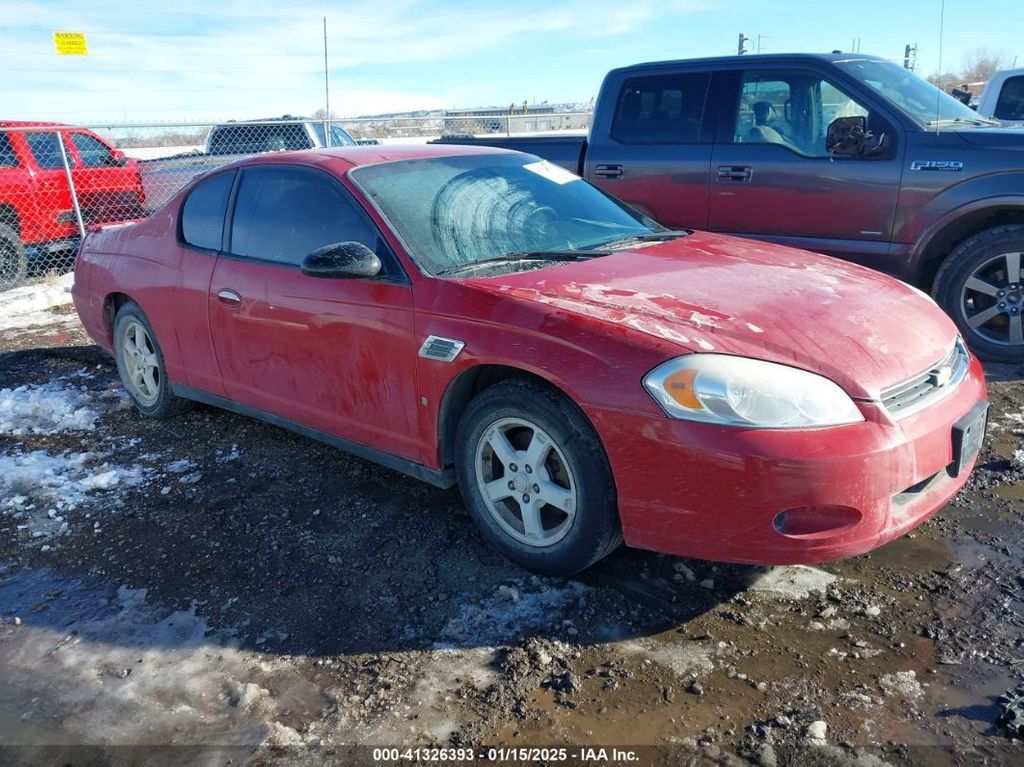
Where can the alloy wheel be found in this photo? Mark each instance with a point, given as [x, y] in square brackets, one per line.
[992, 300]
[525, 482]
[141, 363]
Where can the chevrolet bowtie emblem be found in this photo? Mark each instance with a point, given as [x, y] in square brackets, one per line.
[942, 376]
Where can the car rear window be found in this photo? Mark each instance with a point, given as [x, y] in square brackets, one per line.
[202, 215]
[661, 109]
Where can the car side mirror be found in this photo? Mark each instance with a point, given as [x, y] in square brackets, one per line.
[118, 158]
[850, 137]
[342, 259]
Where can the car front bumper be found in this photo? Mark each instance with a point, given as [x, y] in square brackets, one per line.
[719, 493]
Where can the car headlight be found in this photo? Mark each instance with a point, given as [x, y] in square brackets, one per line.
[738, 391]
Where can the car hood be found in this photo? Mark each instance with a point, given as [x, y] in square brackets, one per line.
[1004, 138]
[711, 293]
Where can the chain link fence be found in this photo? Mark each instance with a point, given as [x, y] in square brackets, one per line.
[58, 180]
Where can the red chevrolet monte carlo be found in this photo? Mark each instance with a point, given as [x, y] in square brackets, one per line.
[481, 317]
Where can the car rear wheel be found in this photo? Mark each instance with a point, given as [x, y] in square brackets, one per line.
[13, 261]
[140, 363]
[536, 479]
[981, 287]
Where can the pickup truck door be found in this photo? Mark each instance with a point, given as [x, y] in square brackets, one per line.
[652, 147]
[108, 188]
[335, 355]
[53, 215]
[772, 179]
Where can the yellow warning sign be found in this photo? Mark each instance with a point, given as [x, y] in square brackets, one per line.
[70, 43]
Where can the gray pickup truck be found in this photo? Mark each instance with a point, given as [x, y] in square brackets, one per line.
[847, 155]
[162, 177]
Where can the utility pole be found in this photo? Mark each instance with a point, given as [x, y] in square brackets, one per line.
[741, 48]
[910, 57]
[327, 92]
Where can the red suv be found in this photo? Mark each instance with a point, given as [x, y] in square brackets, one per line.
[37, 217]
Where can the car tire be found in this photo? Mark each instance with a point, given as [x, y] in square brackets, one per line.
[976, 287]
[13, 260]
[551, 452]
[140, 363]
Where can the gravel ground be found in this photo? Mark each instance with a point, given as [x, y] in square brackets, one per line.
[223, 583]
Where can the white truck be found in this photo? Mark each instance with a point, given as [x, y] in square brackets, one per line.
[1003, 97]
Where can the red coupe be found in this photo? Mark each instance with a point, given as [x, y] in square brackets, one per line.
[485, 318]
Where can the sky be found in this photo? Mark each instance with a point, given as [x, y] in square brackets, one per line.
[212, 60]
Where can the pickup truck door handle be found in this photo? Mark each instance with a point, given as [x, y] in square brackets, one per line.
[735, 173]
[608, 171]
[229, 297]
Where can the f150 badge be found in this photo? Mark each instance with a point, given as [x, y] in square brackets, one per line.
[953, 165]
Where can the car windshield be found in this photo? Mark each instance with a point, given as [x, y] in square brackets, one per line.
[452, 212]
[927, 105]
[339, 137]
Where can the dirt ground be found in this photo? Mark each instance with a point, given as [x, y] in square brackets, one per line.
[263, 596]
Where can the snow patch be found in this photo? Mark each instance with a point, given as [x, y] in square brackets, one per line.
[27, 306]
[512, 611]
[792, 582]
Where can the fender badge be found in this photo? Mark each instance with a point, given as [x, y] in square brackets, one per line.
[952, 165]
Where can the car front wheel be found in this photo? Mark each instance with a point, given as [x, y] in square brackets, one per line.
[536, 479]
[13, 261]
[981, 287]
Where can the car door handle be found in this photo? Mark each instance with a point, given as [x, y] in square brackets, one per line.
[229, 297]
[735, 173]
[608, 171]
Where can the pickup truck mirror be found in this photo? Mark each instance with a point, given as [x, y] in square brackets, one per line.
[342, 259]
[118, 158]
[850, 137]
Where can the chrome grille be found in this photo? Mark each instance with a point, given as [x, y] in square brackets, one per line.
[927, 387]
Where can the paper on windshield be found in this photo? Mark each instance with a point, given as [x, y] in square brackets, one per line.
[552, 172]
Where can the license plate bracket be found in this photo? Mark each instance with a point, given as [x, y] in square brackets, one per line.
[968, 436]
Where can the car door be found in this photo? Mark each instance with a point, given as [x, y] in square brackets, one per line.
[52, 199]
[652, 147]
[335, 355]
[772, 178]
[107, 186]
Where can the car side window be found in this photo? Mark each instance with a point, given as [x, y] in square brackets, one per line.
[1010, 105]
[202, 215]
[284, 214]
[661, 109]
[93, 152]
[7, 157]
[45, 149]
[791, 109]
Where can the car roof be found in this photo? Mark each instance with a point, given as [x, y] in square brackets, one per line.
[35, 124]
[354, 156]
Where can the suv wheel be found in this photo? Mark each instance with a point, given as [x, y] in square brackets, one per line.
[13, 261]
[980, 285]
[536, 479]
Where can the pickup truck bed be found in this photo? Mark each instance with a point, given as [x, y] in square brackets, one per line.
[567, 151]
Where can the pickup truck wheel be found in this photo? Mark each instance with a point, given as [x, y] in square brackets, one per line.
[140, 363]
[13, 261]
[536, 479]
[980, 285]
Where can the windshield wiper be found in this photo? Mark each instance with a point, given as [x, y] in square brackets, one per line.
[668, 234]
[525, 255]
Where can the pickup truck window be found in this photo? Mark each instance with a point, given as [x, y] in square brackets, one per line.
[7, 157]
[45, 150]
[255, 139]
[202, 215]
[283, 215]
[338, 135]
[923, 102]
[791, 108]
[94, 153]
[1010, 105]
[661, 109]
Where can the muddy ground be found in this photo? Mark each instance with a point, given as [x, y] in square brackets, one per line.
[245, 587]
